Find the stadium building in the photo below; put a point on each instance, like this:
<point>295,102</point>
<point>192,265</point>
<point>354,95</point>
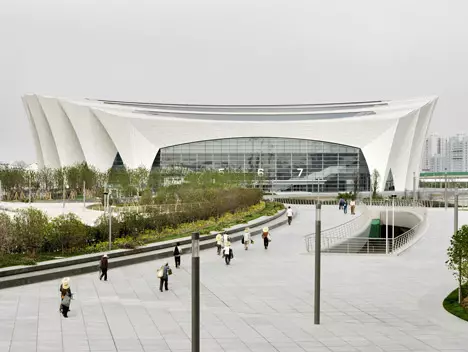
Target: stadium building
<point>305,147</point>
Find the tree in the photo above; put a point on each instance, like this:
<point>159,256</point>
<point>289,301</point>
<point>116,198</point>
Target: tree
<point>355,185</point>
<point>139,178</point>
<point>375,182</point>
<point>31,227</point>
<point>46,178</point>
<point>458,258</point>
<point>67,232</point>
<point>146,197</point>
<point>6,234</point>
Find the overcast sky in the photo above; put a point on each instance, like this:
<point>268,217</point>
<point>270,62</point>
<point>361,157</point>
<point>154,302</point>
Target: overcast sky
<point>239,51</point>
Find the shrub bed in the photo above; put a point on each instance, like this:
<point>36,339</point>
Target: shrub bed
<point>66,235</point>
<point>451,304</point>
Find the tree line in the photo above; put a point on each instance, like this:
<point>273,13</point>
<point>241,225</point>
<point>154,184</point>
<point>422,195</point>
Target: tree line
<point>79,180</point>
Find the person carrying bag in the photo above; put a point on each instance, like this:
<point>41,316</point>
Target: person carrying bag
<point>66,296</point>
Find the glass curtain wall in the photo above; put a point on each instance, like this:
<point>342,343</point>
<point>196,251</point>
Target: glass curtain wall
<point>285,164</point>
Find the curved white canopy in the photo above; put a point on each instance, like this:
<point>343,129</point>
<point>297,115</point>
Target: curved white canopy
<point>66,131</point>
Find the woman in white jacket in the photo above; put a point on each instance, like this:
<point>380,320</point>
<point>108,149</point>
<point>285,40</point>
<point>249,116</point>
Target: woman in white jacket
<point>246,238</point>
<point>227,253</point>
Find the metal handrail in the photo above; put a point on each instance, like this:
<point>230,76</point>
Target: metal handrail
<point>336,242</point>
<point>407,239</point>
<point>340,232</point>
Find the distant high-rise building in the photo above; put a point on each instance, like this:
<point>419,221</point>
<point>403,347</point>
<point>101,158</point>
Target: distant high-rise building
<point>442,154</point>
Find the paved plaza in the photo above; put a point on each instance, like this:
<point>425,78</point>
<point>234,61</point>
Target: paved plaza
<point>54,209</point>
<point>262,302</point>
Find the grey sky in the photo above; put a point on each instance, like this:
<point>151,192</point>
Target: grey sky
<point>239,51</point>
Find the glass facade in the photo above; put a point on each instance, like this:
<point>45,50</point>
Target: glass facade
<point>284,164</point>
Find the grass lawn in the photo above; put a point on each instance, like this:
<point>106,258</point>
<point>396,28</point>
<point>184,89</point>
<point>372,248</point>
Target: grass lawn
<point>451,304</point>
<point>22,259</point>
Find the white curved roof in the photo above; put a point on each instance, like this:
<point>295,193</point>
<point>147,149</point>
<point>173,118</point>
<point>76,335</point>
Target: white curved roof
<point>67,131</point>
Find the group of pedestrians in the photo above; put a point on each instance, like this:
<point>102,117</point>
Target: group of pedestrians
<point>223,246</point>
<point>343,205</point>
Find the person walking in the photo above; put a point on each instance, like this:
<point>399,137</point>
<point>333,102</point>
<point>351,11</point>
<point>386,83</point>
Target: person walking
<point>104,265</point>
<point>353,206</point>
<point>341,204</point>
<point>219,242</point>
<point>177,253</point>
<point>345,207</point>
<point>163,274</point>
<point>266,237</point>
<point>289,213</point>
<point>226,239</point>
<point>65,296</point>
<point>228,253</point>
<point>247,238</point>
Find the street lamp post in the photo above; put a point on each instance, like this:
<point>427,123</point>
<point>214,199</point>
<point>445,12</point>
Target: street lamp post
<point>386,227</point>
<point>195,292</point>
<point>318,226</point>
<point>63,190</point>
<point>445,191</point>
<point>393,222</point>
<point>110,223</point>
<point>29,173</point>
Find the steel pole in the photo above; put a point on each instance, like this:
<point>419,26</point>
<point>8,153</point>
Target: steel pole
<point>29,187</point>
<point>110,221</point>
<point>318,225</point>
<point>455,229</point>
<point>393,223</point>
<point>63,191</point>
<point>84,194</point>
<point>445,192</point>
<point>196,292</point>
<point>414,188</point>
<point>386,228</point>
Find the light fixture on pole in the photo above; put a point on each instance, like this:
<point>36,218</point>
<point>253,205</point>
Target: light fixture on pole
<point>318,227</point>
<point>195,292</point>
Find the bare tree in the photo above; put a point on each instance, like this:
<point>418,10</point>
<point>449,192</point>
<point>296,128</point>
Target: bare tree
<point>375,182</point>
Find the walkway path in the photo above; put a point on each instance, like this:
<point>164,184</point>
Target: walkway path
<point>262,302</point>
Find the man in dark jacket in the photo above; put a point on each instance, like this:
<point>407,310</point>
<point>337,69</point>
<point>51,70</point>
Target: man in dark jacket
<point>103,266</point>
<point>177,253</point>
<point>166,271</point>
